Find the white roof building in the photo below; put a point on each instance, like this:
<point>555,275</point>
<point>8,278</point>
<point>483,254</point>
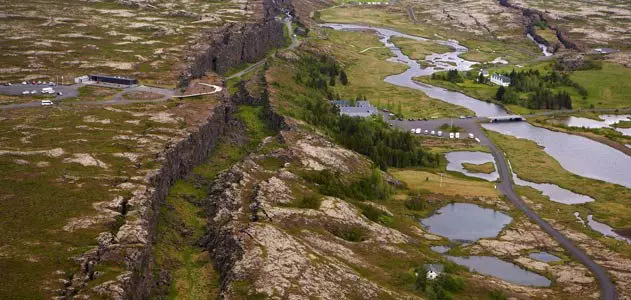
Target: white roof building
<point>500,79</point>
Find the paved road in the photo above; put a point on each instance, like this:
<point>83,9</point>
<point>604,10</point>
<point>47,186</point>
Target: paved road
<point>607,288</point>
<point>71,91</point>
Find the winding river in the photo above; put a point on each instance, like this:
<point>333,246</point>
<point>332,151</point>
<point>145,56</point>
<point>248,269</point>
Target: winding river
<point>576,154</point>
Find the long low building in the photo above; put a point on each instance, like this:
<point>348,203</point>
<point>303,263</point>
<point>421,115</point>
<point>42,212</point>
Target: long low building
<point>361,109</point>
<point>113,79</point>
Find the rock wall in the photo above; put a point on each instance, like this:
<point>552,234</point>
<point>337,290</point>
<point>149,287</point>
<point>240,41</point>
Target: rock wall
<point>237,43</point>
<point>131,246</point>
<point>532,16</point>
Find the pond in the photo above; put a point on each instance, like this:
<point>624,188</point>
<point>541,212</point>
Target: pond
<point>607,122</point>
<point>554,192</point>
<point>576,154</point>
<point>440,249</point>
<point>496,267</point>
<point>457,158</point>
<point>544,257</point>
<point>465,222</point>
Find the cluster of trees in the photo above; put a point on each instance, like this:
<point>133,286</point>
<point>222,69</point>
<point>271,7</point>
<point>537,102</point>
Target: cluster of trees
<point>539,87</point>
<point>442,288</point>
<point>320,73</point>
<point>451,76</point>
<point>374,138</point>
<point>371,187</point>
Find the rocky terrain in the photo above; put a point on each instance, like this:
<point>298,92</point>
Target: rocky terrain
<point>145,39</point>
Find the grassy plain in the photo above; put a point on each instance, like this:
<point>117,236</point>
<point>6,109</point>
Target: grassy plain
<point>367,70</point>
<point>418,50</point>
<point>607,87</point>
<point>449,185</point>
<point>483,48</point>
<point>486,168</point>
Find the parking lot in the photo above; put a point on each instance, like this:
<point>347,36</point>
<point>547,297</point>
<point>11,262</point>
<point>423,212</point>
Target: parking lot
<point>468,125</point>
<point>18,89</point>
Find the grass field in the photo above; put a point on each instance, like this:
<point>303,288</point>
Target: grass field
<point>451,185</point>
<point>418,50</point>
<point>486,168</point>
<point>608,87</point>
<point>482,48</point>
<point>367,70</point>
<point>531,163</point>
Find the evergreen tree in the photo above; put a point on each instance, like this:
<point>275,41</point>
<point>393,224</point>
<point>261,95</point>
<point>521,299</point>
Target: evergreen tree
<point>343,78</point>
<point>499,96</point>
<point>332,81</point>
<point>481,78</point>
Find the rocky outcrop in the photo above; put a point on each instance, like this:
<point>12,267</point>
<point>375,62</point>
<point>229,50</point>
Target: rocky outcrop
<point>534,16</point>
<point>130,246</point>
<point>237,43</point>
<point>232,45</point>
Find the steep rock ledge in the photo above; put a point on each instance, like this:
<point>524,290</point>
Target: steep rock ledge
<point>531,17</point>
<point>130,247</point>
<point>237,43</point>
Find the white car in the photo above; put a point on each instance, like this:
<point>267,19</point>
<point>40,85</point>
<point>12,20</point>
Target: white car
<point>24,83</point>
<point>477,140</point>
<point>426,131</point>
<point>451,135</point>
<point>46,102</point>
<point>471,135</point>
<point>26,93</point>
<point>457,135</point>
<point>433,132</point>
<point>412,130</point>
<point>419,130</point>
<point>33,92</point>
<point>440,133</point>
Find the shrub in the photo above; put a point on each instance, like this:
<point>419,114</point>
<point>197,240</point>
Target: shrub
<point>309,201</point>
<point>415,202</point>
<point>349,233</point>
<point>376,215</point>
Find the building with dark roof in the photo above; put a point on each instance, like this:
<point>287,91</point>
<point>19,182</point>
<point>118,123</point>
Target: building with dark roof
<point>113,79</point>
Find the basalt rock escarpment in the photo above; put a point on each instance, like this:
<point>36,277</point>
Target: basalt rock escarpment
<point>130,247</point>
<point>534,16</point>
<point>237,43</point>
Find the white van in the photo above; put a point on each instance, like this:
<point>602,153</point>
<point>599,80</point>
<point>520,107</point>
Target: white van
<point>451,135</point>
<point>457,135</point>
<point>46,102</point>
<point>433,132</point>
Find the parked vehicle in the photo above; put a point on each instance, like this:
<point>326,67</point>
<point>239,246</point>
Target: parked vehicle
<point>440,133</point>
<point>433,132</point>
<point>451,135</point>
<point>477,140</point>
<point>24,82</point>
<point>61,94</point>
<point>461,117</point>
<point>46,102</point>
<point>419,130</point>
<point>33,92</point>
<point>26,93</point>
<point>471,135</point>
<point>457,135</point>
<point>426,132</point>
<point>469,117</point>
<point>412,130</point>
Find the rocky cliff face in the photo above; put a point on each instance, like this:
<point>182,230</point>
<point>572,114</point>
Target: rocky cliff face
<point>237,43</point>
<point>130,246</point>
<point>532,17</point>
